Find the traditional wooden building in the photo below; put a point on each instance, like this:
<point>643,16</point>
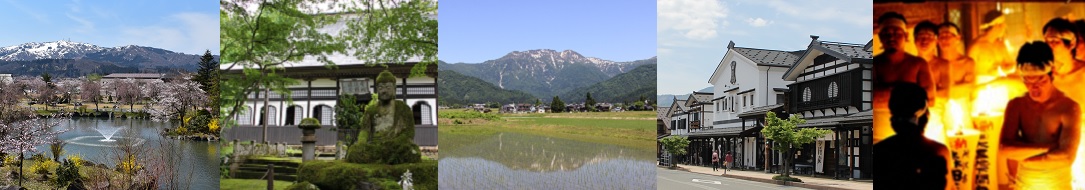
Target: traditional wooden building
<point>832,90</point>
<point>317,93</point>
<point>828,84</point>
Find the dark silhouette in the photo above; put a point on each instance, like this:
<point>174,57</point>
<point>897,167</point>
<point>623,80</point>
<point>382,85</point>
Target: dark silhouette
<point>908,160</point>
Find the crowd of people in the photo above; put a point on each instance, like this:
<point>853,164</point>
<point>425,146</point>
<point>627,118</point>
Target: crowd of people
<point>1041,128</point>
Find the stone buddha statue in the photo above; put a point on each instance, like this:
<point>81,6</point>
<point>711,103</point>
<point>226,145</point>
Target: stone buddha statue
<point>387,132</point>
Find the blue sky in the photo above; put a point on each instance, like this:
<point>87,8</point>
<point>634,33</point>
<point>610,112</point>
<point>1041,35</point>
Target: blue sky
<point>693,34</point>
<point>183,26</point>
<point>617,30</point>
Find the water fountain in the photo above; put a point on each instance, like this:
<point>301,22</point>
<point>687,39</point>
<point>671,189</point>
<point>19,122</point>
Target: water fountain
<point>107,132</point>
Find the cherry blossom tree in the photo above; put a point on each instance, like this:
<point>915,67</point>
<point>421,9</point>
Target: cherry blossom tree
<point>127,92</point>
<point>91,90</point>
<point>176,99</point>
<point>27,132</point>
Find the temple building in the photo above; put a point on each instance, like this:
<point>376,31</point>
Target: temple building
<point>318,91</point>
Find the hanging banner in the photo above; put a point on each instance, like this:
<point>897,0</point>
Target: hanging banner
<point>820,156</point>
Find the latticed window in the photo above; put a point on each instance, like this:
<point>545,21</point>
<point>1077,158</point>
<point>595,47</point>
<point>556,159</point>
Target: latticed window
<point>245,118</point>
<point>806,94</point>
<point>833,90</point>
<point>354,86</point>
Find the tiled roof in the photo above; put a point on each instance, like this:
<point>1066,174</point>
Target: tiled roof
<point>861,117</point>
<point>850,50</point>
<point>760,110</point>
<point>134,75</point>
<point>717,131</point>
<point>770,57</point>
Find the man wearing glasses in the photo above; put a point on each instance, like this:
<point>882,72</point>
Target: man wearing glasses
<point>1040,130</point>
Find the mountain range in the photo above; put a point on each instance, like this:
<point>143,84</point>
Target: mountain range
<point>458,89</point>
<point>72,59</point>
<point>665,100</point>
<point>544,73</point>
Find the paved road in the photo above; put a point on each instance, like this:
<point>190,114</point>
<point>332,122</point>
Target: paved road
<point>673,179</point>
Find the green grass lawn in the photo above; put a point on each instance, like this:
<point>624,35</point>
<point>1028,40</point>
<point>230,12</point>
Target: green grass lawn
<point>250,184</point>
<point>631,129</point>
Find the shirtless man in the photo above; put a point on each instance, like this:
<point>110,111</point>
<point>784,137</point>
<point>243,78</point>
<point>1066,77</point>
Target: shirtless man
<point>957,72</point>
<point>1040,130</point>
<point>926,40</point>
<point>989,50</point>
<point>895,65</point>
<point>1068,44</point>
<point>907,160</point>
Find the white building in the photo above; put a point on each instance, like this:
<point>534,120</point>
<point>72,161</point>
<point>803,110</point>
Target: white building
<point>748,78</point>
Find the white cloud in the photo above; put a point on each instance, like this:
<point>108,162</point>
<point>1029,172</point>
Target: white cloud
<point>191,33</point>
<point>825,10</point>
<point>85,25</point>
<point>758,22</point>
<point>695,19</point>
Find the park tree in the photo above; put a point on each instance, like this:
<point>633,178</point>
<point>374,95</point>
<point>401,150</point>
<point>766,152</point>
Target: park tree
<point>177,99</point>
<point>786,135</point>
<point>676,145</point>
<point>348,113</point>
<point>207,75</point>
<point>127,92</point>
<point>91,90</point>
<point>12,95</point>
<point>25,132</point>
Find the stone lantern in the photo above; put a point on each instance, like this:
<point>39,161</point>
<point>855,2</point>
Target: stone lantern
<point>308,138</point>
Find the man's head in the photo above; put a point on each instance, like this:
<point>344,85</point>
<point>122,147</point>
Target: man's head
<point>893,34</point>
<point>908,105</point>
<point>1080,25</point>
<point>949,36</point>
<point>994,22</point>
<point>1034,65</point>
<point>386,86</point>
<point>926,35</point>
<point>1061,35</point>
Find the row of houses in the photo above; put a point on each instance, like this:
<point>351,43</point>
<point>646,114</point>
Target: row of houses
<point>828,84</point>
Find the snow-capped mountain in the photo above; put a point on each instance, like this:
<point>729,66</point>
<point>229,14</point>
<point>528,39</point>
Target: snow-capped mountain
<point>544,72</point>
<point>48,50</point>
<point>75,58</point>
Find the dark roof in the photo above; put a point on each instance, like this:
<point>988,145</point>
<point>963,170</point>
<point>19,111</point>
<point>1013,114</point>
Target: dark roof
<point>726,131</point>
<point>135,75</point>
<point>856,53</point>
<point>848,49</point>
<point>770,57</point>
<point>760,110</point>
<point>861,117</point>
<point>731,89</point>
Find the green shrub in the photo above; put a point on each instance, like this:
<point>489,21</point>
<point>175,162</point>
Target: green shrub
<point>342,175</point>
<point>67,172</point>
<point>786,178</point>
<point>384,151</point>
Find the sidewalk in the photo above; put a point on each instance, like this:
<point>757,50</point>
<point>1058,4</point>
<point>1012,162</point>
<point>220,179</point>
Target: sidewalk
<point>761,176</point>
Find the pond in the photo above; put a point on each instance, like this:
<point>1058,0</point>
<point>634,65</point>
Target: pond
<point>523,161</point>
<point>196,162</point>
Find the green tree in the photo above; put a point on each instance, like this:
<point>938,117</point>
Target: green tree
<point>556,105</point>
<point>538,102</point>
<point>589,102</point>
<point>676,145</point>
<point>208,77</point>
<point>786,136</point>
<point>348,113</point>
